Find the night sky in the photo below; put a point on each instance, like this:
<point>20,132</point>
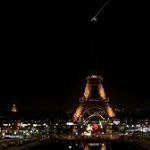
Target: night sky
<point>48,49</point>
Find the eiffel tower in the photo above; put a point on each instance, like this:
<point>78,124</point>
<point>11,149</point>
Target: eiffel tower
<point>94,102</point>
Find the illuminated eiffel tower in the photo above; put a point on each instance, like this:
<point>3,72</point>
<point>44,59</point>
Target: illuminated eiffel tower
<point>94,102</point>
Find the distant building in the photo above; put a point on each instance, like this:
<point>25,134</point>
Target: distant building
<point>13,108</point>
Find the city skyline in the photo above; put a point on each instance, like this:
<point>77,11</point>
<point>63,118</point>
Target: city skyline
<point>51,54</point>
<point>74,75</point>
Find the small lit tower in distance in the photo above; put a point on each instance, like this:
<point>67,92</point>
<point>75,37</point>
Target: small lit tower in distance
<point>13,108</point>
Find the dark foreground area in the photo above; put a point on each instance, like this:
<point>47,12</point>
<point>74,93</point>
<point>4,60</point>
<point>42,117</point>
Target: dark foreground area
<point>89,146</point>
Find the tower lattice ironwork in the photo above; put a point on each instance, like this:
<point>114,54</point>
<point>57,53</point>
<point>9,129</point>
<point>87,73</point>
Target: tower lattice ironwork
<point>94,99</point>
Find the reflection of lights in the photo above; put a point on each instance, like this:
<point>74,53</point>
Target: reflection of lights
<point>93,144</point>
<point>103,147</point>
<point>15,132</point>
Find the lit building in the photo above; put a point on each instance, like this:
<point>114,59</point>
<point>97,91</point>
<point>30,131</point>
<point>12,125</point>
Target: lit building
<point>13,108</point>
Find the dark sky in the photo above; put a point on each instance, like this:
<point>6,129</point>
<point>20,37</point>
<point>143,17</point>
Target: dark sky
<point>49,48</point>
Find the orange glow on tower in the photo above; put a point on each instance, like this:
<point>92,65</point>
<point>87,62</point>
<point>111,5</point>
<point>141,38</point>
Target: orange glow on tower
<point>78,113</point>
<point>110,111</point>
<point>102,92</point>
<point>87,91</point>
